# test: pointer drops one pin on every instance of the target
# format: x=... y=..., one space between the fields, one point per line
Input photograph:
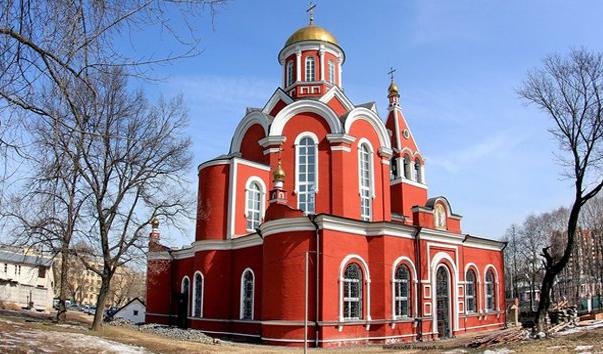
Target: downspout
x=419 y=315
x=475 y=297
x=317 y=294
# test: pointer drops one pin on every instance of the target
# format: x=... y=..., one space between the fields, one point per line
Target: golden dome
x=393 y=88
x=155 y=222
x=279 y=173
x=311 y=33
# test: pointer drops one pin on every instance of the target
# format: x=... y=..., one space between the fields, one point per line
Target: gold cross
x=391 y=73
x=310 y=11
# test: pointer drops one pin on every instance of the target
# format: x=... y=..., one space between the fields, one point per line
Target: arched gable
x=252 y=118
x=372 y=118
x=316 y=107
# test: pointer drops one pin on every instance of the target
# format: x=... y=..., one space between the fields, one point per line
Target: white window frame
x=193 y=306
x=290 y=73
x=403 y=260
x=359 y=299
x=401 y=297
x=474 y=296
x=242 y=294
x=371 y=187
x=310 y=68
x=366 y=310
x=331 y=66
x=297 y=143
x=250 y=181
x=495 y=301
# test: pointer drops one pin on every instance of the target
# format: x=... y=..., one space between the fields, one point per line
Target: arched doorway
x=443 y=302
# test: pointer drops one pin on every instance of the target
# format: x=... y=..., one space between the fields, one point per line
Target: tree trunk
x=97 y=323
x=62 y=310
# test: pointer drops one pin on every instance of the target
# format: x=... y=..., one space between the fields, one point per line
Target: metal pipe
x=317 y=293
x=419 y=315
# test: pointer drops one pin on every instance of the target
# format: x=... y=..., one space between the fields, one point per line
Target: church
x=318 y=225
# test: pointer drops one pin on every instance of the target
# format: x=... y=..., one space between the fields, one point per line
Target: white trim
x=262 y=185
x=495 y=289
x=215 y=162
x=286 y=225
x=241 y=304
x=232 y=200
x=301 y=106
x=259 y=166
x=341 y=148
x=411 y=266
x=231 y=333
x=298 y=47
x=250 y=119
x=410 y=182
x=272 y=140
x=298 y=139
x=373 y=119
x=453 y=315
x=367 y=281
x=278 y=95
x=436 y=261
x=478 y=288
x=340 y=138
x=371 y=175
x=195 y=294
x=335 y=92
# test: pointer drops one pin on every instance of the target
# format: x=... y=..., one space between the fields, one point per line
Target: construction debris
x=510 y=335
x=562 y=317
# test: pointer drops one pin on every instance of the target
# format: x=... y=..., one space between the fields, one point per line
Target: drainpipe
x=317 y=294
x=419 y=286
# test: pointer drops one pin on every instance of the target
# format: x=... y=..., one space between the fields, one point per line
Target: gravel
x=167 y=331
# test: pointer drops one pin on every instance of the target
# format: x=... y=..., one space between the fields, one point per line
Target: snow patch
x=498 y=351
x=583 y=347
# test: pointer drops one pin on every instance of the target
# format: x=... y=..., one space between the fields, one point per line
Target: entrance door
x=443 y=302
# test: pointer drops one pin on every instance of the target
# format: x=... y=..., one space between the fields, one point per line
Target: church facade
x=318 y=224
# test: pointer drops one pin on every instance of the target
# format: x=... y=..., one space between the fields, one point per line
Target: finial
x=279 y=173
x=155 y=222
x=391 y=73
x=310 y=11
x=393 y=88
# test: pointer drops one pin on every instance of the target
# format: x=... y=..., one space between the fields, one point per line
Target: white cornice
x=253 y=164
x=328 y=222
x=310 y=45
x=286 y=225
x=279 y=94
x=336 y=92
x=220 y=161
x=272 y=140
x=340 y=138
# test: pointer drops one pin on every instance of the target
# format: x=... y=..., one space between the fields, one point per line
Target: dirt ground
x=35 y=333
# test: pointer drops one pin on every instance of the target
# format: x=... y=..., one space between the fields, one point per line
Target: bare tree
x=512 y=260
x=569 y=91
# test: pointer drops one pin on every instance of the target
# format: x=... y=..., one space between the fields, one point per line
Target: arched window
x=184 y=291
x=290 y=74
x=490 y=295
x=310 y=69
x=331 y=72
x=407 y=167
x=254 y=206
x=306 y=174
x=402 y=292
x=198 y=295
x=352 y=292
x=247 y=292
x=365 y=173
x=417 y=171
x=470 y=294
x=393 y=168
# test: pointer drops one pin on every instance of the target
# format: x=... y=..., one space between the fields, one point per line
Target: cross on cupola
x=310 y=12
x=393 y=92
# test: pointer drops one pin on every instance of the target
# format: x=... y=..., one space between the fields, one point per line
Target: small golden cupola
x=311 y=61
x=392 y=90
x=279 y=173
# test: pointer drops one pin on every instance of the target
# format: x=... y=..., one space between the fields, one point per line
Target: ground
x=25 y=333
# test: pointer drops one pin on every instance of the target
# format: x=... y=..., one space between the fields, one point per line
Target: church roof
x=311 y=33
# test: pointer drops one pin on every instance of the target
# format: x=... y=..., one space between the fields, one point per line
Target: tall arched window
x=331 y=72
x=198 y=295
x=290 y=74
x=352 y=292
x=490 y=295
x=365 y=173
x=184 y=291
x=417 y=171
x=393 y=168
x=310 y=69
x=247 y=293
x=253 y=209
x=306 y=174
x=402 y=292
x=470 y=294
x=407 y=167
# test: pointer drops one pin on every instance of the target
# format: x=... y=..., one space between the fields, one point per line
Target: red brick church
x=312 y=174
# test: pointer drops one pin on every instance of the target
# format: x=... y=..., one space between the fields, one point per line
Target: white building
x=133 y=311
x=26 y=280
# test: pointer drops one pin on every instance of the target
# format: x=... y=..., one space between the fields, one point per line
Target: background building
x=26 y=279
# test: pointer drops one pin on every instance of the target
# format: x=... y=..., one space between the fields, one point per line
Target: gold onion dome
x=155 y=222
x=311 y=33
x=279 y=173
x=393 y=88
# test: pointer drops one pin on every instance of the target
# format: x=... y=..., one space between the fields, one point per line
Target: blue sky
x=459 y=64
